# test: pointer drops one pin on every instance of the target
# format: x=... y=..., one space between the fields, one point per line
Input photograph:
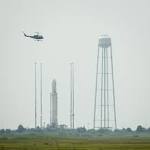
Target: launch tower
x=53 y=105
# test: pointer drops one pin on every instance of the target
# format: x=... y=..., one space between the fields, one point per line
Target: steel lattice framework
x=104 y=105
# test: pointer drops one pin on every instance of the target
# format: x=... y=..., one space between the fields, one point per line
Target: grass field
x=56 y=143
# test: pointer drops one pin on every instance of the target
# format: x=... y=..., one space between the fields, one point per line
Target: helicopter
x=36 y=36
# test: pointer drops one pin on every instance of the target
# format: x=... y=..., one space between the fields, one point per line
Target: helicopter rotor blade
x=37 y=33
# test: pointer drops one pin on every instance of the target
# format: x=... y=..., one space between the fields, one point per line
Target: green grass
x=32 y=142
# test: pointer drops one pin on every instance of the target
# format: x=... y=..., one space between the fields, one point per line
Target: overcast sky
x=71 y=29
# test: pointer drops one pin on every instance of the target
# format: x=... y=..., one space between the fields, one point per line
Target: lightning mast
x=41 y=96
x=35 y=64
x=71 y=95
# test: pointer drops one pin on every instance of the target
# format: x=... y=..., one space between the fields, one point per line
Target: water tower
x=104 y=104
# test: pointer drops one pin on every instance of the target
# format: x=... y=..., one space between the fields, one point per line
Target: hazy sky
x=71 y=29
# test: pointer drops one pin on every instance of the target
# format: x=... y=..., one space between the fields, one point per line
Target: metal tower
x=35 y=64
x=50 y=108
x=104 y=106
x=53 y=105
x=71 y=95
x=41 y=96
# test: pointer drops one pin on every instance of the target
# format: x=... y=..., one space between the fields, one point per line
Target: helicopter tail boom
x=25 y=35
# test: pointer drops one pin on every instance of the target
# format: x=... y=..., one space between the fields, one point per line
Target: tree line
x=62 y=129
